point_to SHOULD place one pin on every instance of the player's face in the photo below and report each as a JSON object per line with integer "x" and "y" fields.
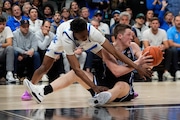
{"x": 126, "y": 38}
{"x": 81, "y": 36}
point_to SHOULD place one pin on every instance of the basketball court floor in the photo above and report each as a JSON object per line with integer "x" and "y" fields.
{"x": 156, "y": 101}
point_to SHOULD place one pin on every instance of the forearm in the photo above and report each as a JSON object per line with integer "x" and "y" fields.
{"x": 83, "y": 76}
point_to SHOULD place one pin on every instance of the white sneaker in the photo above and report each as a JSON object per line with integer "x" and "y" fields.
{"x": 9, "y": 77}
{"x": 45, "y": 78}
{"x": 36, "y": 91}
{"x": 167, "y": 76}
{"x": 155, "y": 75}
{"x": 177, "y": 74}
{"x": 100, "y": 99}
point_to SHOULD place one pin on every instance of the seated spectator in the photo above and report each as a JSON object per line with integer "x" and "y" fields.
{"x": 156, "y": 36}
{"x": 56, "y": 23}
{"x": 48, "y": 12}
{"x": 25, "y": 46}
{"x": 128, "y": 9}
{"x": 14, "y": 21}
{"x": 104, "y": 28}
{"x": 74, "y": 10}
{"x": 38, "y": 4}
{"x": 65, "y": 15}
{"x": 34, "y": 23}
{"x": 174, "y": 42}
{"x": 25, "y": 9}
{"x": 149, "y": 16}
{"x": 44, "y": 37}
{"x": 7, "y": 11}
{"x": 6, "y": 49}
{"x": 85, "y": 13}
{"x": 116, "y": 18}
{"x": 139, "y": 26}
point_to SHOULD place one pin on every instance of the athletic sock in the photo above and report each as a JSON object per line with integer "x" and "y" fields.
{"x": 91, "y": 91}
{"x": 48, "y": 89}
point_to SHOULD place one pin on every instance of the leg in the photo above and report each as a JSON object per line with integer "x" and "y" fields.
{"x": 119, "y": 90}
{"x": 43, "y": 69}
{"x": 38, "y": 92}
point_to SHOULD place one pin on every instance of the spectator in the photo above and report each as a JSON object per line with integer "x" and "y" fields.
{"x": 6, "y": 49}
{"x": 128, "y": 9}
{"x": 174, "y": 42}
{"x": 25, "y": 46}
{"x": 65, "y": 15}
{"x": 34, "y": 23}
{"x": 139, "y": 26}
{"x": 156, "y": 36}
{"x": 48, "y": 12}
{"x": 25, "y": 9}
{"x": 74, "y": 10}
{"x": 38, "y": 5}
{"x": 14, "y": 21}
{"x": 166, "y": 18}
{"x": 56, "y": 23}
{"x": 7, "y": 11}
{"x": 149, "y": 16}
{"x": 116, "y": 18}
{"x": 154, "y": 5}
{"x": 85, "y": 13}
{"x": 104, "y": 28}
{"x": 44, "y": 37}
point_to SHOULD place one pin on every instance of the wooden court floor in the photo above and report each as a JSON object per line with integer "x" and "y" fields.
{"x": 156, "y": 101}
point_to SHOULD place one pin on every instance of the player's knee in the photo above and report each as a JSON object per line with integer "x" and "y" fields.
{"x": 122, "y": 85}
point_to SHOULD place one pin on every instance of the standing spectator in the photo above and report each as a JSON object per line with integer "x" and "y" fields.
{"x": 74, "y": 10}
{"x": 104, "y": 28}
{"x": 56, "y": 23}
{"x": 34, "y": 23}
{"x": 139, "y": 26}
{"x": 149, "y": 16}
{"x": 6, "y": 49}
{"x": 156, "y": 36}
{"x": 154, "y": 5}
{"x": 14, "y": 21}
{"x": 65, "y": 15}
{"x": 166, "y": 18}
{"x": 25, "y": 46}
{"x": 174, "y": 42}
{"x": 7, "y": 11}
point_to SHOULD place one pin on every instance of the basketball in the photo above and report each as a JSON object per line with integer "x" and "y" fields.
{"x": 156, "y": 53}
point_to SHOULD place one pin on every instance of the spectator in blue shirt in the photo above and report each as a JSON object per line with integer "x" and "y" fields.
{"x": 14, "y": 21}
{"x": 174, "y": 42}
{"x": 165, "y": 18}
{"x": 154, "y": 5}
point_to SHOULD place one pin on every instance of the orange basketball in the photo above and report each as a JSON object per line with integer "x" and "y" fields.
{"x": 156, "y": 53}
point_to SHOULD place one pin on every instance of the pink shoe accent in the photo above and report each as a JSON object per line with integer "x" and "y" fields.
{"x": 26, "y": 96}
{"x": 136, "y": 94}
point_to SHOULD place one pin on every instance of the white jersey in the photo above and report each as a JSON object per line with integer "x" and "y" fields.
{"x": 64, "y": 41}
{"x": 154, "y": 39}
